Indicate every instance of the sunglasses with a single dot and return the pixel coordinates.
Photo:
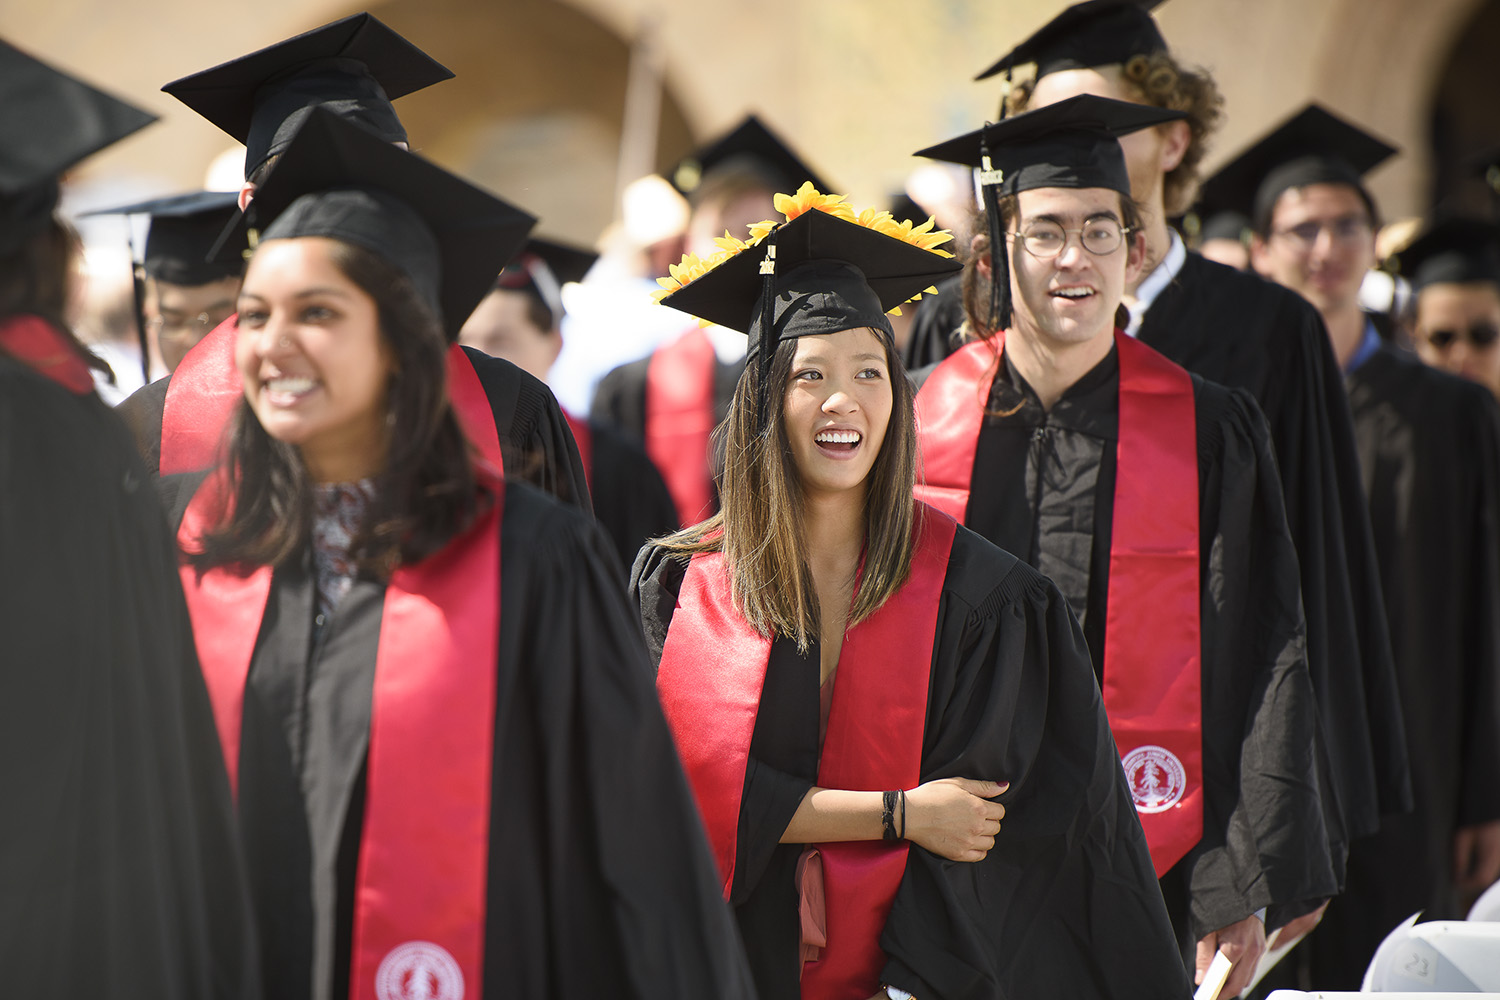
(1480, 335)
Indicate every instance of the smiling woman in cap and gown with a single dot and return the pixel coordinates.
(890, 725)
(451, 769)
(120, 874)
(352, 68)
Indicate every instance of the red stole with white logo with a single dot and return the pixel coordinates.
(1152, 634)
(713, 666)
(206, 387)
(419, 907)
(680, 420)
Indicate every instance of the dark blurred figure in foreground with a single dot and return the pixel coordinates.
(119, 871)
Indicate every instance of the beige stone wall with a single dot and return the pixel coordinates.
(857, 84)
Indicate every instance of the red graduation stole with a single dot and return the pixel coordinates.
(40, 346)
(680, 419)
(713, 666)
(583, 436)
(1152, 634)
(419, 908)
(206, 388)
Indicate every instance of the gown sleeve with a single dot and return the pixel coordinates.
(1264, 839)
(120, 869)
(621, 862)
(1067, 903)
(142, 411)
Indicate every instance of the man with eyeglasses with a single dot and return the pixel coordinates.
(1429, 447)
(1454, 268)
(1150, 497)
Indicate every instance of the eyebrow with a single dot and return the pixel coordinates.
(1109, 214)
(306, 293)
(821, 359)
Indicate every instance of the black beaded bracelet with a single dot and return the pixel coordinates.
(887, 816)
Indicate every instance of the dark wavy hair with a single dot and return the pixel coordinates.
(34, 281)
(426, 491)
(1163, 81)
(759, 528)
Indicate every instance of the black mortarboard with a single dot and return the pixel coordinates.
(1071, 144)
(904, 209)
(353, 67)
(1096, 33)
(50, 121)
(543, 267)
(753, 144)
(1452, 251)
(338, 180)
(184, 228)
(1223, 226)
(1314, 146)
(816, 274)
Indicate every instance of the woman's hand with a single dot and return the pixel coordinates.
(952, 819)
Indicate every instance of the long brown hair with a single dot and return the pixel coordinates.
(425, 492)
(759, 528)
(34, 281)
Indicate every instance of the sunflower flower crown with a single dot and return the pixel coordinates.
(807, 199)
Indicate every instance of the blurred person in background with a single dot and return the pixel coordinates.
(1454, 271)
(120, 870)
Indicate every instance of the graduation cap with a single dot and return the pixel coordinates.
(1071, 144)
(353, 67)
(184, 228)
(751, 143)
(51, 121)
(543, 267)
(903, 208)
(1452, 251)
(1314, 146)
(1096, 33)
(816, 274)
(338, 180)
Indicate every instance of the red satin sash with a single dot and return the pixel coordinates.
(583, 436)
(712, 670)
(39, 345)
(680, 420)
(1152, 635)
(419, 911)
(201, 397)
(206, 387)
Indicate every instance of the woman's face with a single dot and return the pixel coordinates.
(837, 408)
(314, 366)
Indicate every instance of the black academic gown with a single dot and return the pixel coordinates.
(1044, 487)
(600, 880)
(534, 438)
(1429, 447)
(630, 499)
(1066, 905)
(620, 401)
(120, 872)
(937, 325)
(1241, 331)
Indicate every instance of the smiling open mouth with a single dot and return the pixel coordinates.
(1072, 293)
(837, 442)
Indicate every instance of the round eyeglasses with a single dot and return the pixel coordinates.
(1045, 240)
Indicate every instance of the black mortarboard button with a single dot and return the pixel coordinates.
(353, 67)
(1073, 144)
(1096, 33)
(1314, 146)
(338, 180)
(184, 228)
(1452, 251)
(753, 144)
(51, 121)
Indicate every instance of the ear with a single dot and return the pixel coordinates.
(1135, 260)
(981, 260)
(1176, 138)
(1260, 256)
(246, 194)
